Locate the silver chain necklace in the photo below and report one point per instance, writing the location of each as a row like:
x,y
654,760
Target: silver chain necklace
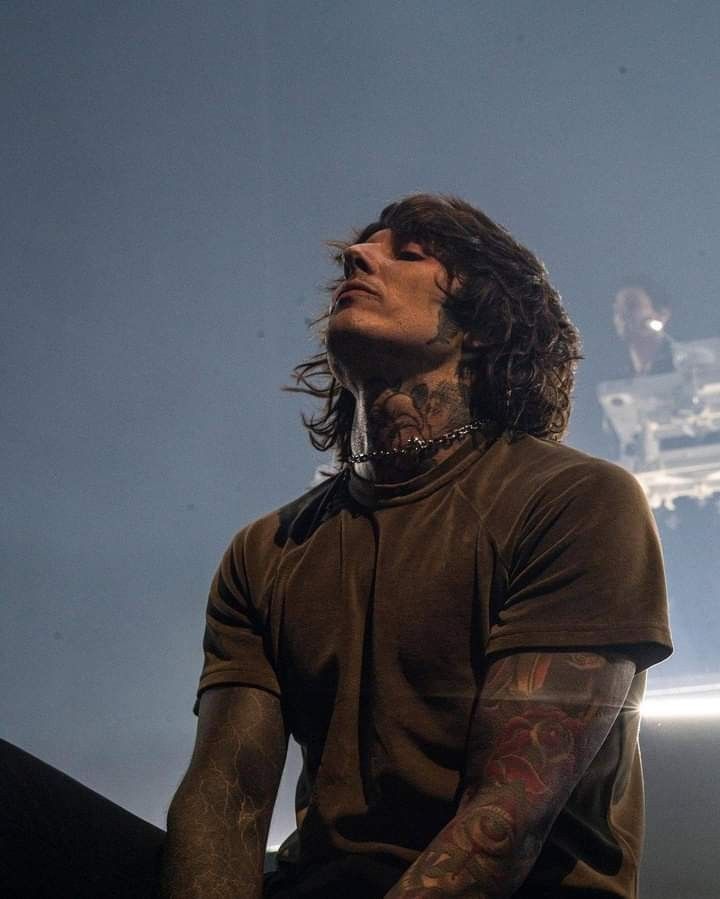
x,y
417,445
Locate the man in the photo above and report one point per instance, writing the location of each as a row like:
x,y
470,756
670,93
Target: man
x,y
455,627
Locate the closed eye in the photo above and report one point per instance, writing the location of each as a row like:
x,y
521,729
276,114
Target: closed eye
x,y
408,254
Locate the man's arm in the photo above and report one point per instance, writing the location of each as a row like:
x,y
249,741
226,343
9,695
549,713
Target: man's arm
x,y
218,820
540,719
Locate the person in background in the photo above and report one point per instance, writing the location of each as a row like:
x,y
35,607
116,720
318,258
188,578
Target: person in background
x,y
642,327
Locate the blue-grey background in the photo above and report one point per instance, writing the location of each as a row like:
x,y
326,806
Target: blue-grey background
x,y
169,173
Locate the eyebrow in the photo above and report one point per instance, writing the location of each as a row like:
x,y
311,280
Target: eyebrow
x,y
394,237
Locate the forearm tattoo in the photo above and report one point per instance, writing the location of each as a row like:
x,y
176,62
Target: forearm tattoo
x,y
539,721
219,818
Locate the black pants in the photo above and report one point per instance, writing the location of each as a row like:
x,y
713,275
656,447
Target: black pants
x,y
61,840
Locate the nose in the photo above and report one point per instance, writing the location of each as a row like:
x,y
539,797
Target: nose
x,y
357,257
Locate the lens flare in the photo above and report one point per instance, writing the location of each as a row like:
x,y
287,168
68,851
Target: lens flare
x,y
682,702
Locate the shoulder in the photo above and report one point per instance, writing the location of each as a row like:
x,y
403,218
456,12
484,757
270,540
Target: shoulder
x,y
529,483
294,522
532,467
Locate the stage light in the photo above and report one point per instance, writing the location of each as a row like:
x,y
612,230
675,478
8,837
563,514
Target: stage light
x,y
655,324
683,702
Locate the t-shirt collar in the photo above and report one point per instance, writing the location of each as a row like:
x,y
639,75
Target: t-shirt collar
x,y
369,493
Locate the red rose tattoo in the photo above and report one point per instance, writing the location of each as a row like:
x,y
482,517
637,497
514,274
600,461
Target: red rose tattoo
x,y
539,720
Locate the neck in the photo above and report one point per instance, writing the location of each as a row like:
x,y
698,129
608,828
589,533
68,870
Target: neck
x,y
388,414
643,350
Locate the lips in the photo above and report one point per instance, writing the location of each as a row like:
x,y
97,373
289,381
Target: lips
x,y
354,285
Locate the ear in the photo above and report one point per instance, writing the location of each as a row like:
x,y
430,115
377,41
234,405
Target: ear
x,y
457,282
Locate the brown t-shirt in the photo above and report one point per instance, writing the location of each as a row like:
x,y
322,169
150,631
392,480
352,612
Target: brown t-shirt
x,y
372,611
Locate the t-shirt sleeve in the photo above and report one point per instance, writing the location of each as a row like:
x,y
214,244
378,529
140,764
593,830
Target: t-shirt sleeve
x,y
585,570
235,644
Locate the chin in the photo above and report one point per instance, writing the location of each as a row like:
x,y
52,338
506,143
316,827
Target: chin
x,y
354,353
352,330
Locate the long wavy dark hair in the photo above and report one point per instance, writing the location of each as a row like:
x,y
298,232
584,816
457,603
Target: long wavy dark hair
x,y
523,371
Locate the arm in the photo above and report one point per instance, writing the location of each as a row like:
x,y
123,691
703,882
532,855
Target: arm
x,y
539,720
218,820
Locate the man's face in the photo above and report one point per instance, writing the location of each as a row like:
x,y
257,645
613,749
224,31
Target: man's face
x,y
388,312
633,308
